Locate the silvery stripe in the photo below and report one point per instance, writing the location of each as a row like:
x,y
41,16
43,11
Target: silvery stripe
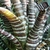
x,y
18,28
33,45
19,32
33,36
33,39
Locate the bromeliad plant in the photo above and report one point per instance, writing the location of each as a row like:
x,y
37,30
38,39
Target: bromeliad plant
x,y
24,24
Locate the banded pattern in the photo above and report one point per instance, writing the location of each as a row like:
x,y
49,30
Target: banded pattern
x,y
46,33
7,4
7,25
35,30
3,27
42,26
42,6
33,39
47,27
18,26
19,29
3,45
21,25
24,6
32,10
17,7
12,38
